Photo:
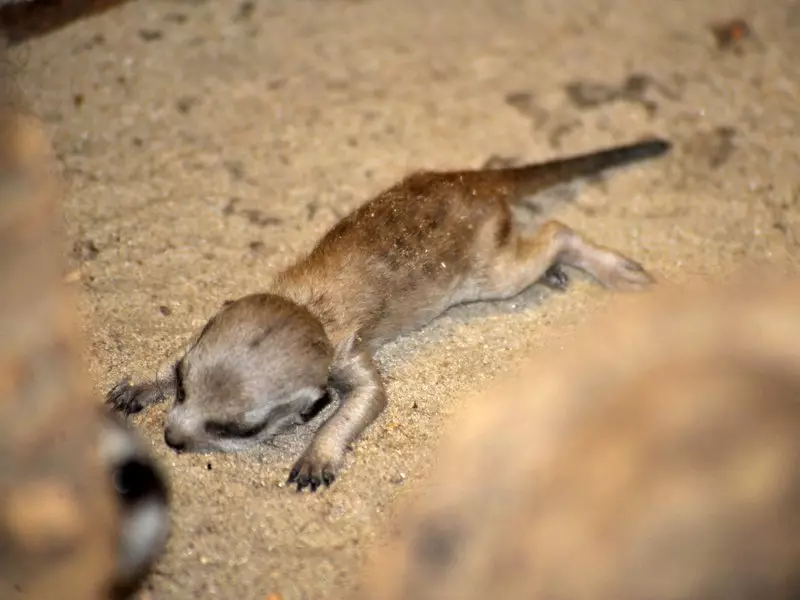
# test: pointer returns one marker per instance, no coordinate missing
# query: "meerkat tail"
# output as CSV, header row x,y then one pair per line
x,y
530,179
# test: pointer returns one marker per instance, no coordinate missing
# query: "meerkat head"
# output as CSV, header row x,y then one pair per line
x,y
259,365
142,498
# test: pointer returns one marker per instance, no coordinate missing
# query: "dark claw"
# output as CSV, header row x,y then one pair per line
x,y
122,398
304,481
328,477
555,277
293,475
305,475
298,476
129,398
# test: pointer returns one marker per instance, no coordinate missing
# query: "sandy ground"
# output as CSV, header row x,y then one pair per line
x,y
206,144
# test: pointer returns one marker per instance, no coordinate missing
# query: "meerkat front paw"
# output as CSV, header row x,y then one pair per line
x,y
313,469
129,398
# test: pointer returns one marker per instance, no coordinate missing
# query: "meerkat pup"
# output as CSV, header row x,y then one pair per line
x,y
142,498
435,239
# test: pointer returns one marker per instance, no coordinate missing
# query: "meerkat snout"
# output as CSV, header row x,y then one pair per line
x,y
259,365
142,499
173,439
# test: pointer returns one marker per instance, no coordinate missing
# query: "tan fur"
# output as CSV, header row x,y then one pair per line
x,y
656,458
433,240
59,526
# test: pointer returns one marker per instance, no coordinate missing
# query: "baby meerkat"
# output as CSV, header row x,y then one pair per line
x,y
435,239
142,495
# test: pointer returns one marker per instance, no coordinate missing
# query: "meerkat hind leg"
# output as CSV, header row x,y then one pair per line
x,y
528,259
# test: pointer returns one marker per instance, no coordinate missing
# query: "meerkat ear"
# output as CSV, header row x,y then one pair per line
x,y
317,406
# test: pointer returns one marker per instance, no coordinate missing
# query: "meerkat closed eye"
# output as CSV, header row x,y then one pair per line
x,y
435,239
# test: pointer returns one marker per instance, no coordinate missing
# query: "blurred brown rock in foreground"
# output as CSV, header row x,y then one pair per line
x,y
57,518
656,457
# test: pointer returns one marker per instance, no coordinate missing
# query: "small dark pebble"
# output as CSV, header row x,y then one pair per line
x,y
256,246
414,406
230,207
138,142
185,104
590,94
85,250
208,466
97,40
246,10
151,35
175,18
258,217
730,33
78,100
165,310
235,169
519,100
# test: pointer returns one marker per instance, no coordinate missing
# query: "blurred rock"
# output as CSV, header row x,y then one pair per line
x,y
657,458
58,526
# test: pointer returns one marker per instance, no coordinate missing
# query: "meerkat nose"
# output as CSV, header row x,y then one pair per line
x,y
173,440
